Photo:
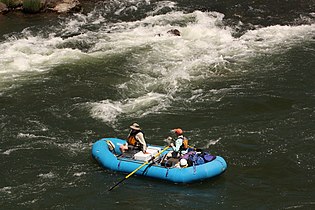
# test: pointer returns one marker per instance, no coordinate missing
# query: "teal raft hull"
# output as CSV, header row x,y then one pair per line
x,y
107,159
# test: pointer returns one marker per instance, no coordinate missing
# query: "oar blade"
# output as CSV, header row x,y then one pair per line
x,y
113,187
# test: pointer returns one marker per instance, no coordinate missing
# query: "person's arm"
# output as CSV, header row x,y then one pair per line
x,y
140,138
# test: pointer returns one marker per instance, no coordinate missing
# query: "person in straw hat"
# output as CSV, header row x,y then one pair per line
x,y
136,138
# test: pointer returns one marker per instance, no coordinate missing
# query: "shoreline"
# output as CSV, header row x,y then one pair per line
x,y
41,6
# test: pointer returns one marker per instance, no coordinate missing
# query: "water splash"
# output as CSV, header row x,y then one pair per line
x,y
49,175
161,65
169,65
108,110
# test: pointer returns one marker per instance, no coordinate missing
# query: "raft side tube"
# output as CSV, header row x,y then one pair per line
x,y
107,159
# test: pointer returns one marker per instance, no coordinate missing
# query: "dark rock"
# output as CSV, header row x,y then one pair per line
x,y
174,32
59,6
65,6
3,8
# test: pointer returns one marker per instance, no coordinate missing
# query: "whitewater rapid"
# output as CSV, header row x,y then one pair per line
x,y
160,65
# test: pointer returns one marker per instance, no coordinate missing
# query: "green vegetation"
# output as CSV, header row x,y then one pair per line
x,y
32,6
11,3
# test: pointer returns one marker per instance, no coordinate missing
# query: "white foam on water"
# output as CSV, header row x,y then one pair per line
x,y
108,110
9,151
162,5
6,190
49,175
168,63
212,142
162,66
33,54
214,95
78,174
25,135
33,136
274,38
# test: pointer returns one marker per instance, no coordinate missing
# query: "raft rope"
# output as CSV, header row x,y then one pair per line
x,y
195,169
167,172
147,168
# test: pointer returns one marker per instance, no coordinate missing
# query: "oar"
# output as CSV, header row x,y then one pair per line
x,y
145,163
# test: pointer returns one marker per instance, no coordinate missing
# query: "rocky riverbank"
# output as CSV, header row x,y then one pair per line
x,y
37,6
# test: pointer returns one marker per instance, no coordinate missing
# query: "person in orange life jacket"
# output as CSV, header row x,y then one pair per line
x,y
136,138
181,143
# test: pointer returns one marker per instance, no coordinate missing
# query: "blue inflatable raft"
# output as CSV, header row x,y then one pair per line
x,y
107,153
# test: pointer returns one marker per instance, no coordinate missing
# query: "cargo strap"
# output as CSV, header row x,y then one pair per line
x,y
167,172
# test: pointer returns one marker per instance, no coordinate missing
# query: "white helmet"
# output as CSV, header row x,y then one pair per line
x,y
183,162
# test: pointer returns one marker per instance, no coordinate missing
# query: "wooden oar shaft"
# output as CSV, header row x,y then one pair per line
x,y
145,163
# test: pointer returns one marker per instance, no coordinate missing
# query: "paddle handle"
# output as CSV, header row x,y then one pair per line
x,y
145,163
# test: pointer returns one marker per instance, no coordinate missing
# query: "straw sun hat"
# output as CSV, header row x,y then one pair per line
x,y
135,126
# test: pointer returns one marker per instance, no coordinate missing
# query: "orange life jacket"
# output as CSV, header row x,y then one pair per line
x,y
184,145
131,139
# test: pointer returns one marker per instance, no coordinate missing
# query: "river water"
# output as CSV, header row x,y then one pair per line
x,y
239,81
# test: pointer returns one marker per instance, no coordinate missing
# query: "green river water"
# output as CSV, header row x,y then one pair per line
x,y
239,81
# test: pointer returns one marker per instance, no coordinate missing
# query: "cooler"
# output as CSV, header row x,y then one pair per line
x,y
145,157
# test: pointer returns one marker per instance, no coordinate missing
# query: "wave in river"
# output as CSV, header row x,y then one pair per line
x,y
164,64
